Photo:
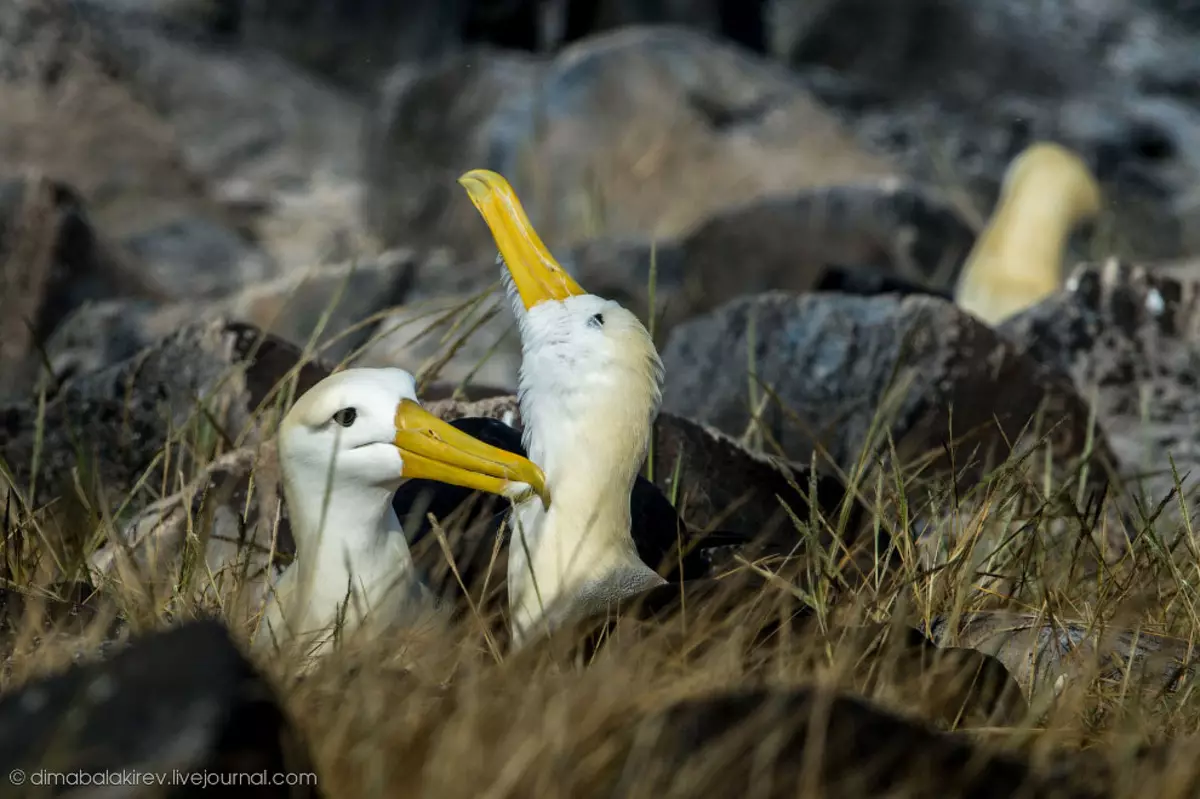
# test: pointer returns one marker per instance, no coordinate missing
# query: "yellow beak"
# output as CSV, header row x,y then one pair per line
x,y
537,275
435,450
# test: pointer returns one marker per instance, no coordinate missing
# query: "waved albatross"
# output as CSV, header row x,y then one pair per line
x,y
1018,259
344,449
589,392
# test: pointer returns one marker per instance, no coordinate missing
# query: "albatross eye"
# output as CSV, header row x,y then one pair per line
x,y
345,417
596,320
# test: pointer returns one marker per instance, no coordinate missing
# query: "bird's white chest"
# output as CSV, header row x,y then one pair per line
x,y
563,565
310,606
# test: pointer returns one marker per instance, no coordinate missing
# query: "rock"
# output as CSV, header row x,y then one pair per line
x,y
706,127
761,736
42,41
247,118
195,258
102,431
69,117
51,261
956,92
334,302
428,125
504,407
1127,336
862,238
355,42
177,704
98,335
351,41
1044,655
833,362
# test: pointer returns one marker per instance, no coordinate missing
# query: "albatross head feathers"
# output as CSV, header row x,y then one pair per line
x,y
363,429
590,355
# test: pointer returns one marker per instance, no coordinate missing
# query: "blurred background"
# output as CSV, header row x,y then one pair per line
x,y
293,163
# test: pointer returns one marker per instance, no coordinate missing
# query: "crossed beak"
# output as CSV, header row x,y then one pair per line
x,y
538,277
435,450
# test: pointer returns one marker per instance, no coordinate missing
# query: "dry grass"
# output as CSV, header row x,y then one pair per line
x,y
438,712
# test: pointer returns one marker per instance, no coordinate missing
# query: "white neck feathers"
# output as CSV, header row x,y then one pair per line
x,y
352,565
590,438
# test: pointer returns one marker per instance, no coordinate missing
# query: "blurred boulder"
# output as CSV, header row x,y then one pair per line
x,y
954,91
195,258
833,373
70,116
645,131
740,22
274,147
334,304
353,42
51,262
452,338
865,239
865,751
1044,654
101,431
181,701
1129,338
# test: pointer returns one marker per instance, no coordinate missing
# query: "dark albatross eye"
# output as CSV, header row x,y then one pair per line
x,y
345,417
596,320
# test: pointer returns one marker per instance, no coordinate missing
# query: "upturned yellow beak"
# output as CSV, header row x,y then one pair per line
x,y
435,450
537,275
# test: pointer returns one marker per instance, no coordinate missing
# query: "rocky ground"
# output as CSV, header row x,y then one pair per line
x,y
786,188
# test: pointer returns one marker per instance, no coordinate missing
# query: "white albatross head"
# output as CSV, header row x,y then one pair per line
x,y
590,389
344,448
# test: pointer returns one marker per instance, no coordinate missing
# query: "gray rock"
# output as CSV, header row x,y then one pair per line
x,y
427,126
867,238
834,363
805,240
330,307
1129,337
51,261
740,22
248,123
68,115
98,335
704,127
866,751
195,258
356,41
40,40
1046,655
102,431
955,91
183,701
